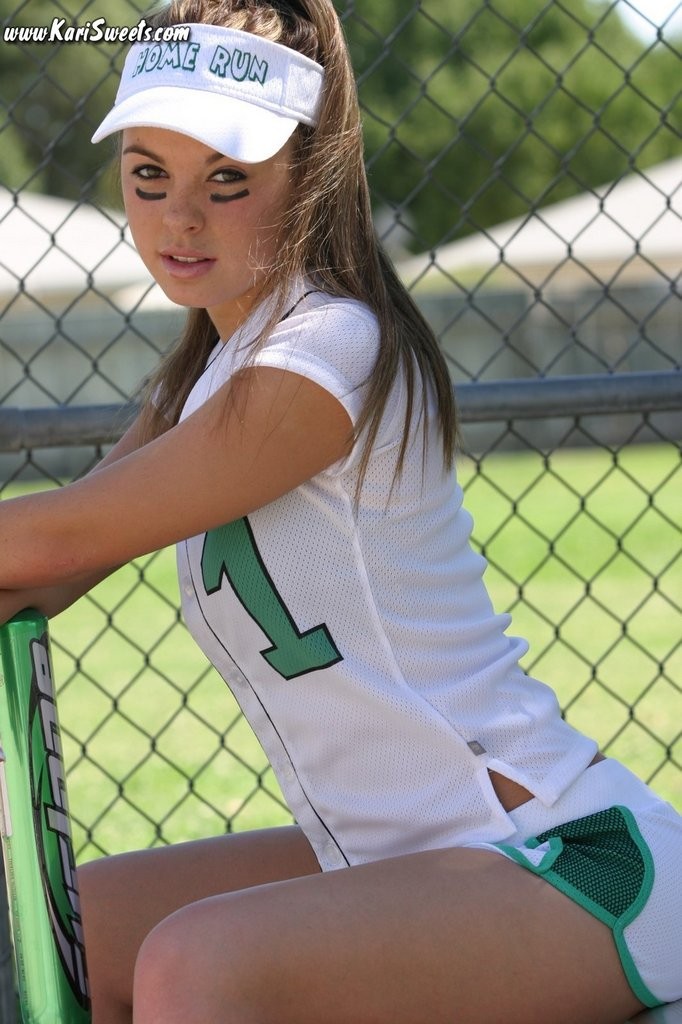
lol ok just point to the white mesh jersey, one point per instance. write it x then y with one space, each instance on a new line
360 640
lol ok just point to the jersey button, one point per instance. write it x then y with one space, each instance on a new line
334 856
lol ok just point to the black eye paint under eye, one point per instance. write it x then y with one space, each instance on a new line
151 196
217 197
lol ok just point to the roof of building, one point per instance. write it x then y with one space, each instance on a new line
57 249
628 230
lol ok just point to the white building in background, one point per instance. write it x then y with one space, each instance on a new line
628 232
81 320
57 251
587 285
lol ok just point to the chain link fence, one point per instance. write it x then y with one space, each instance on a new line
527 167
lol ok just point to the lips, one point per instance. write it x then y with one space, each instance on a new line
186 265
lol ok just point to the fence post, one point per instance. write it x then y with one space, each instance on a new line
7 986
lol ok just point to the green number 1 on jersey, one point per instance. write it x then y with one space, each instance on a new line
231 551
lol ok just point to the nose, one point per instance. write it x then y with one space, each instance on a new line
183 211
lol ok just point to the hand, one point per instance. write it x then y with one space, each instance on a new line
49 601
12 602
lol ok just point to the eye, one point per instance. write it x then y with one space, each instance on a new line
148 172
228 176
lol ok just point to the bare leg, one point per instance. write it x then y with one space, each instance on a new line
124 897
460 936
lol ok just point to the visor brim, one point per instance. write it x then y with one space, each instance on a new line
238 129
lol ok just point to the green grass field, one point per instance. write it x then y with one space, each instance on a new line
584 552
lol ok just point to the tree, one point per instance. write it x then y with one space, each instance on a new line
480 110
54 94
474 111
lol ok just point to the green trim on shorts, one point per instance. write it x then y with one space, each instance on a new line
602 863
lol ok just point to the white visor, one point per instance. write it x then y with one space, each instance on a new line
239 94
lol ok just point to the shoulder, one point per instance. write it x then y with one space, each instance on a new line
344 330
335 341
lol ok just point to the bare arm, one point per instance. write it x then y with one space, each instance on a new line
224 461
51 600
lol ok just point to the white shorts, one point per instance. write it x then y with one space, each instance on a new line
615 847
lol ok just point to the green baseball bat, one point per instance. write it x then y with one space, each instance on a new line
42 890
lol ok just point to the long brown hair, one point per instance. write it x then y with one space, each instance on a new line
327 232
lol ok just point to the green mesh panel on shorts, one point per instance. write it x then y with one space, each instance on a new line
603 863
600 859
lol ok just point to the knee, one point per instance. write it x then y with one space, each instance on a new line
163 974
183 975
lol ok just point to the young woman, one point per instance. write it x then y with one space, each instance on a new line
460 853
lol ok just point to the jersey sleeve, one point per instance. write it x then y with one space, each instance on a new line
334 343
331 341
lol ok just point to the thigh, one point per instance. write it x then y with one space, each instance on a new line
457 935
125 896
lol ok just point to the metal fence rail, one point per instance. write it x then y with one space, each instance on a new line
526 165
489 402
